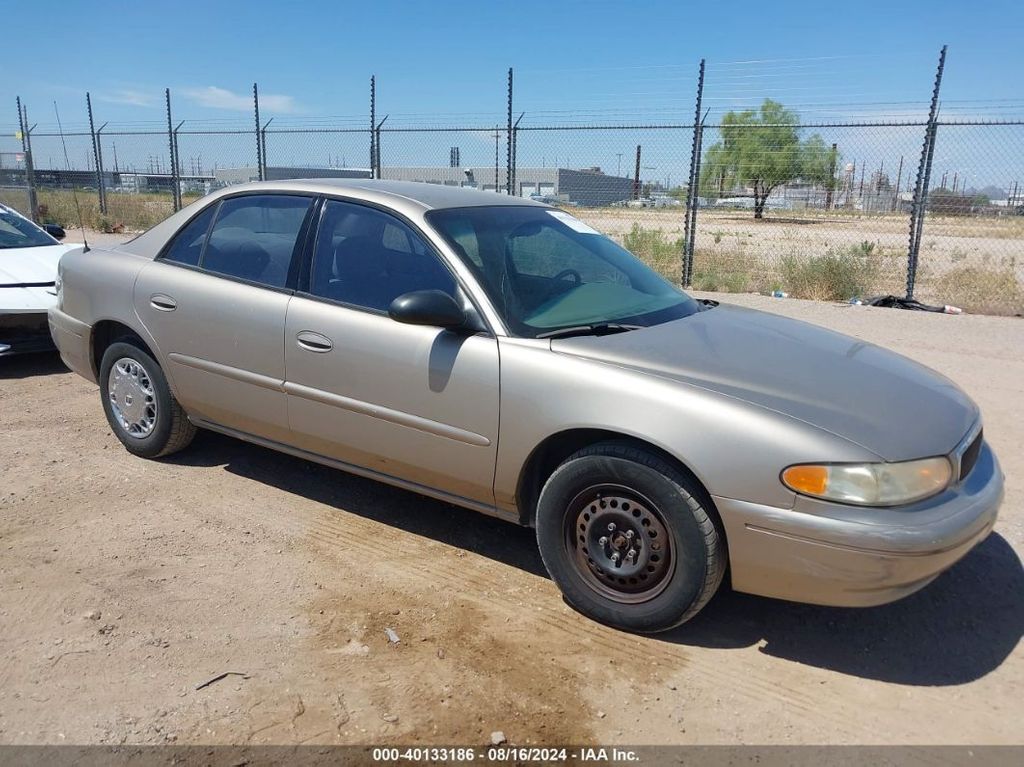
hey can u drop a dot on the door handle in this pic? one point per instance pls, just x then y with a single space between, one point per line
162 303
314 342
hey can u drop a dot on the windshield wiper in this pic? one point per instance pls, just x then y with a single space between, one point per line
596 329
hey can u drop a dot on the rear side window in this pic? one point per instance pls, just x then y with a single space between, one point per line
187 245
254 237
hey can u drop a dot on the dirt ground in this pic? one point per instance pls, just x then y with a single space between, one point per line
125 584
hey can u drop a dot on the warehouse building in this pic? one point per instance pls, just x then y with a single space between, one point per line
587 187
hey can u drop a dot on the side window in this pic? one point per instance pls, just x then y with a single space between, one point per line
254 237
368 258
187 245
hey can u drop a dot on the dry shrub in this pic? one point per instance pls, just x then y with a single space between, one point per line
981 289
836 276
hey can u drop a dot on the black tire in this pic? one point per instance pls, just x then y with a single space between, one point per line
171 430
682 571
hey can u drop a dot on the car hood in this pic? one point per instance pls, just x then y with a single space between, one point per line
882 401
21 266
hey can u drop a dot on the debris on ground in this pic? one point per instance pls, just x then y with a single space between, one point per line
392 636
219 677
498 737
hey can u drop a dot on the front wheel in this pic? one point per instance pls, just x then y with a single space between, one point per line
627 540
139 405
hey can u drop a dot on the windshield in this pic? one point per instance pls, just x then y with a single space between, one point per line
18 232
545 270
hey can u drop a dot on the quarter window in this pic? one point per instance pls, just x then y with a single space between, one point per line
187 246
367 258
254 237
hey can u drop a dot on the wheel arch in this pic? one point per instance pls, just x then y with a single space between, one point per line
553 450
106 332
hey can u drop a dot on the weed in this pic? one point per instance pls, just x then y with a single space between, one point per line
836 276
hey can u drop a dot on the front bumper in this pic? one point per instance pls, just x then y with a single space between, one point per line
24 332
73 341
831 554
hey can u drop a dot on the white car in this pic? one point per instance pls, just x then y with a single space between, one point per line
28 272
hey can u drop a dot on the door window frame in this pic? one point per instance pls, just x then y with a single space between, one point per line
303 286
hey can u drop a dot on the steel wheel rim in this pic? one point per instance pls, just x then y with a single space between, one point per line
132 398
620 543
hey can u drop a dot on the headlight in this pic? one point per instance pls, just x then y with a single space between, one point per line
870 484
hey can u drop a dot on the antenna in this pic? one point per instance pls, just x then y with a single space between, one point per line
74 192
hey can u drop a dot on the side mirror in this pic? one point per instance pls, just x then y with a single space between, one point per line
55 230
427 307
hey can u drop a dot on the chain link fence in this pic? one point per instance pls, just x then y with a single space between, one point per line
815 210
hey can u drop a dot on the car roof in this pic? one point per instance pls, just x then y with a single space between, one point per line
397 193
409 197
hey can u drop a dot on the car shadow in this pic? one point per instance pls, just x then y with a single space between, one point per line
31 365
461 528
958 629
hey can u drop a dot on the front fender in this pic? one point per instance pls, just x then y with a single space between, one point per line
734 448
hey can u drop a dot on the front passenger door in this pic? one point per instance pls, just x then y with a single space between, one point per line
411 402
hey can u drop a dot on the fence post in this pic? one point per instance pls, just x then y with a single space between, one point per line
515 147
171 141
263 145
374 173
691 192
508 137
260 162
26 148
376 146
177 166
924 173
97 160
636 177
497 135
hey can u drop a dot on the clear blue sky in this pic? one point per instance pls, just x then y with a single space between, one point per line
596 61
578 57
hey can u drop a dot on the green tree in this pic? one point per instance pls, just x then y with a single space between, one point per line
762 150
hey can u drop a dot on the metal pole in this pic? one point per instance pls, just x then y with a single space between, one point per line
899 180
515 147
263 145
497 135
691 191
373 127
636 177
691 241
508 168
924 172
26 147
175 189
177 164
830 189
260 163
376 145
96 155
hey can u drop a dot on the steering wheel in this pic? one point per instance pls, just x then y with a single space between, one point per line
576 277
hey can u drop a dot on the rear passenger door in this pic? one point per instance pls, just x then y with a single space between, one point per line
412 402
215 301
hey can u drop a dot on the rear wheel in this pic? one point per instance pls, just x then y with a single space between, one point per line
139 405
626 538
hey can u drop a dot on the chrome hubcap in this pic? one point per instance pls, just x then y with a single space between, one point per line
132 398
620 543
